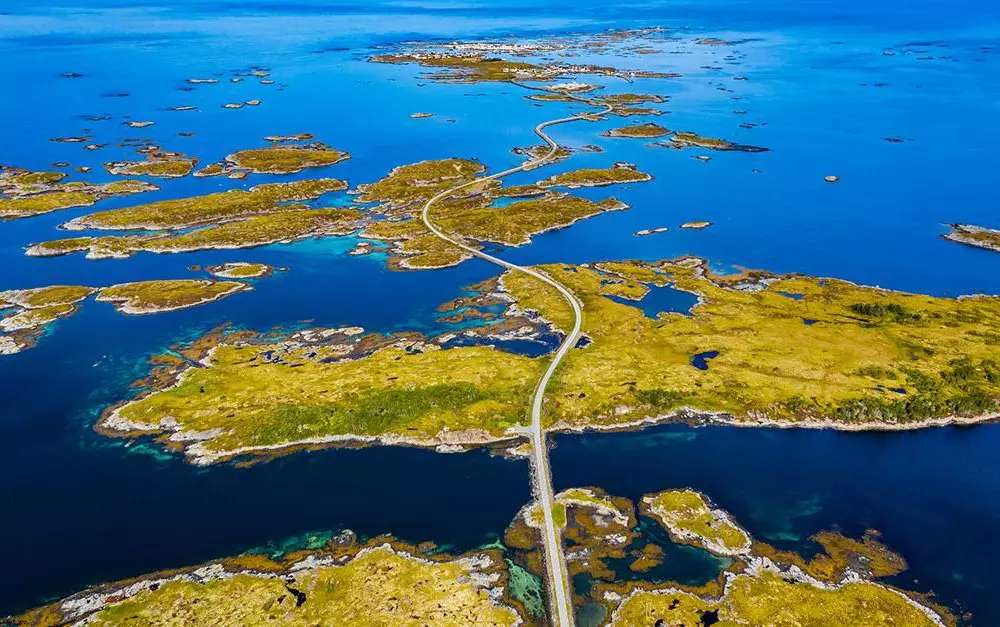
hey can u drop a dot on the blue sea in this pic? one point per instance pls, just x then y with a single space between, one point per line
826 83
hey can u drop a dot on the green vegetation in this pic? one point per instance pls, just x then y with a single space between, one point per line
594 526
406 188
771 366
45 296
240 270
977 236
35 308
467 214
66 195
286 159
286 226
36 317
199 210
643 131
768 599
690 519
257 397
518 191
145 297
382 583
630 99
172 166
684 139
472 219
595 177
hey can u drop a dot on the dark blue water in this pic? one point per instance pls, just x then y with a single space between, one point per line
934 494
79 509
661 299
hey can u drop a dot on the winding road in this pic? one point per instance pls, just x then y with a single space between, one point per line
555 562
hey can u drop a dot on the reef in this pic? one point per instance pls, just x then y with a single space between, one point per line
978 236
382 581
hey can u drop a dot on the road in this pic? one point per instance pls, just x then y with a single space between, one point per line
555 563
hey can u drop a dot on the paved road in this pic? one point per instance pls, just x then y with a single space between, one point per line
555 562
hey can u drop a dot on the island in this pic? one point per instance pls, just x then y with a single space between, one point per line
158 164
187 213
690 519
382 580
287 158
971 235
292 224
24 193
240 270
25 314
596 177
639 131
681 139
147 297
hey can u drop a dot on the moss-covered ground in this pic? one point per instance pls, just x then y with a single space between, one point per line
787 349
144 297
691 519
381 583
199 210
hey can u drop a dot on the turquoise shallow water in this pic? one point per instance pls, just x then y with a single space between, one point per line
79 510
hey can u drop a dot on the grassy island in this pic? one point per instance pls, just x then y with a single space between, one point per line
766 598
240 270
290 225
382 582
24 314
259 397
199 210
146 297
639 131
284 158
978 236
691 519
596 177
168 165
27 194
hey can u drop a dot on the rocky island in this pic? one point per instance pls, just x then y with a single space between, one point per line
978 236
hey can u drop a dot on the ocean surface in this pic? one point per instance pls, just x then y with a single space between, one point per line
827 83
